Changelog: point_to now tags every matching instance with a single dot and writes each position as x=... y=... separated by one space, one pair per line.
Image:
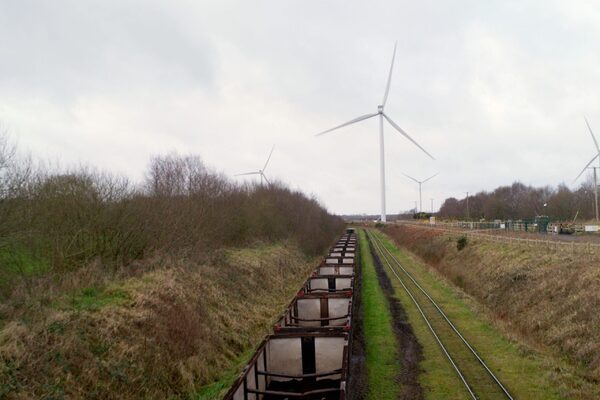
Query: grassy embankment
x=527 y=367
x=382 y=355
x=545 y=298
x=158 y=329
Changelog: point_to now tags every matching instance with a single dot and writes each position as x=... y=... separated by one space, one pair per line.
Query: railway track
x=477 y=378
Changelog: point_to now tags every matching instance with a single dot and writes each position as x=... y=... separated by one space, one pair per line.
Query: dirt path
x=410 y=349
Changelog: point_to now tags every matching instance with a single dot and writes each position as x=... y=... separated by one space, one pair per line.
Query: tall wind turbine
x=261 y=172
x=420 y=194
x=597 y=156
x=380 y=112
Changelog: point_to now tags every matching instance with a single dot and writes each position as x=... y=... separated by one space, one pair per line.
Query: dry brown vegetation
x=546 y=297
x=114 y=289
x=162 y=330
x=62 y=220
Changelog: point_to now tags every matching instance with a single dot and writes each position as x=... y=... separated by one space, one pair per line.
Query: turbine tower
x=382 y=115
x=420 y=194
x=597 y=156
x=260 y=172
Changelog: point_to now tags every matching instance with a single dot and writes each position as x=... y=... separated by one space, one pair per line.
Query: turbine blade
x=355 y=120
x=265 y=167
x=410 y=177
x=248 y=173
x=389 y=81
x=586 y=167
x=406 y=135
x=264 y=176
x=431 y=177
x=592 y=133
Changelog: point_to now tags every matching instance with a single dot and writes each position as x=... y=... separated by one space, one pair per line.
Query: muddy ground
x=357 y=380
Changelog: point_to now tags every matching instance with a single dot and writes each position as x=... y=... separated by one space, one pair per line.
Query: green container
x=542 y=222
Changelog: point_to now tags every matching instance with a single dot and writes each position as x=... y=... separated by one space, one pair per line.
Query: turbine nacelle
x=261 y=172
x=382 y=116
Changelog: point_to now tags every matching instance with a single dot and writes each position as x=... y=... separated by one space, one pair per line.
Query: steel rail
x=435 y=335
x=380 y=245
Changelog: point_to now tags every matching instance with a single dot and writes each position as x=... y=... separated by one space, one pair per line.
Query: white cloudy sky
x=496 y=91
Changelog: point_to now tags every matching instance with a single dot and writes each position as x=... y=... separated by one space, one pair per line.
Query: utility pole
x=468 y=216
x=431 y=206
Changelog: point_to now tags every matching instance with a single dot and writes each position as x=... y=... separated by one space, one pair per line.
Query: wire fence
x=492 y=235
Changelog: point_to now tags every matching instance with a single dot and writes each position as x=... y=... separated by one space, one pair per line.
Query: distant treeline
x=519 y=201
x=63 y=219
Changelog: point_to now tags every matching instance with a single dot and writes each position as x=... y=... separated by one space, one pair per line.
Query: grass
x=382 y=357
x=173 y=329
x=218 y=389
x=526 y=374
x=93 y=299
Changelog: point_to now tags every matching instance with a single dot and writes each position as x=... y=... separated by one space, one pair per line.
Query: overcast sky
x=496 y=91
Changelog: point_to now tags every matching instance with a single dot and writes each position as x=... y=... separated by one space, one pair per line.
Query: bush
x=65 y=219
x=461 y=243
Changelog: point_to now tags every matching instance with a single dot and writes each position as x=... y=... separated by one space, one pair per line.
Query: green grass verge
x=525 y=373
x=382 y=356
x=92 y=299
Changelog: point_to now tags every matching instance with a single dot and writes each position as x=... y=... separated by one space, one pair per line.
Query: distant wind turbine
x=382 y=115
x=597 y=156
x=261 y=172
x=420 y=194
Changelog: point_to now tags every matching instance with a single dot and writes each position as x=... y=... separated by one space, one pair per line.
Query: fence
x=486 y=234
x=529 y=226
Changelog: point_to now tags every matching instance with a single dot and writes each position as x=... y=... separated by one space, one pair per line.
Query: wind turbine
x=382 y=115
x=597 y=156
x=420 y=194
x=261 y=172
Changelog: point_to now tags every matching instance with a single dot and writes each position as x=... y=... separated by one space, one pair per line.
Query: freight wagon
x=307 y=355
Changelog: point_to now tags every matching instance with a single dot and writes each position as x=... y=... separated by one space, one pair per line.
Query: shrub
x=461 y=243
x=65 y=219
